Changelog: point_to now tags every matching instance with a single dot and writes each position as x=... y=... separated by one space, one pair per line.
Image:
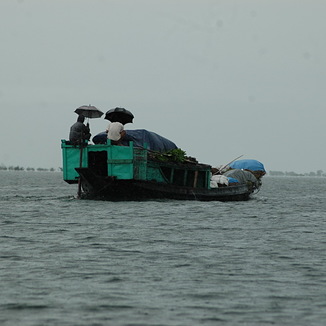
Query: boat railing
x=129 y=162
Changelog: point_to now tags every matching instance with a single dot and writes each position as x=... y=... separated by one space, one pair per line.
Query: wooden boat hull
x=110 y=188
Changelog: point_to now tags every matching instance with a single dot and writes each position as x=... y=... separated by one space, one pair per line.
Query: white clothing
x=114 y=130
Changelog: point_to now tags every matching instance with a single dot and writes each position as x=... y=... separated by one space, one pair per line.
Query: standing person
x=79 y=132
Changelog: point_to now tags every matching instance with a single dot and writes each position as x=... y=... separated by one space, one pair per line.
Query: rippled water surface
x=69 y=262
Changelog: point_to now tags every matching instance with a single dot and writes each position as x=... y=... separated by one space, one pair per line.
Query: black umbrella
x=89 y=111
x=119 y=115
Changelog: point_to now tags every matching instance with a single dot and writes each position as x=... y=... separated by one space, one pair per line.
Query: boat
x=105 y=171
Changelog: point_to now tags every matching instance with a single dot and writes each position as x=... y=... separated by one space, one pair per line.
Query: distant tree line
x=318 y=173
x=20 y=168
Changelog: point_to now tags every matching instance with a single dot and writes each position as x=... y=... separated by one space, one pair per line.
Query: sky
x=220 y=78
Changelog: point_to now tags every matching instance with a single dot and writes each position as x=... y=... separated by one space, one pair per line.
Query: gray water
x=69 y=262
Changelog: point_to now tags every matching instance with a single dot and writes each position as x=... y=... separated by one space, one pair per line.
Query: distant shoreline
x=318 y=173
x=29 y=169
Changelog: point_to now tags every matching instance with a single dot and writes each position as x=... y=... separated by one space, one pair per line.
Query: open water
x=69 y=262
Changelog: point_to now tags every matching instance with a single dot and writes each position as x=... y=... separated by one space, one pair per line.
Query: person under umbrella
x=79 y=132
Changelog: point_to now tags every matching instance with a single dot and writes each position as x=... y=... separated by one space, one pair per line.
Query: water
x=69 y=262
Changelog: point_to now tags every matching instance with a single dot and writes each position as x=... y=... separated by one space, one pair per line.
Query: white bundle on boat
x=219 y=179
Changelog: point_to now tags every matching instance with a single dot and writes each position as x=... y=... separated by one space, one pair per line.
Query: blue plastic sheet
x=232 y=180
x=252 y=165
x=140 y=137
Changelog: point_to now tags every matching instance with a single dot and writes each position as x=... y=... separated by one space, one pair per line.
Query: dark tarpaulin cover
x=242 y=176
x=100 y=138
x=154 y=141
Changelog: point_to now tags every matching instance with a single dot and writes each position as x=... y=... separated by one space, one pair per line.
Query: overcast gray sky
x=220 y=78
